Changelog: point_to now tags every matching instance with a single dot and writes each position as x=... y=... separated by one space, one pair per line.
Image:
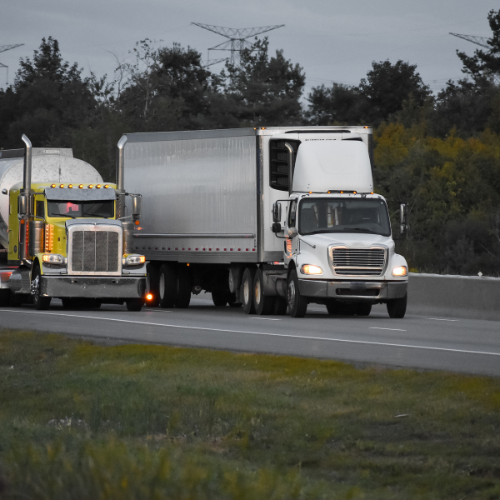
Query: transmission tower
x=482 y=42
x=237 y=38
x=4 y=48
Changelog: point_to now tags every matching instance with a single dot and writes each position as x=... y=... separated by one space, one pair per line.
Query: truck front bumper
x=370 y=291
x=95 y=287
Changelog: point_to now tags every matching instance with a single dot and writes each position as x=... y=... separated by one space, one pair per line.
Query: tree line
x=439 y=153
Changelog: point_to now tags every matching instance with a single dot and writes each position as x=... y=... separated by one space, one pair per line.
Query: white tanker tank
x=49 y=165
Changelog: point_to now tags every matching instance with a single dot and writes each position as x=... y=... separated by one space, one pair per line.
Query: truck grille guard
x=358 y=262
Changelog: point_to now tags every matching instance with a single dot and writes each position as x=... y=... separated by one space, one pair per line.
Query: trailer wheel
x=296 y=302
x=184 y=285
x=219 y=298
x=167 y=286
x=263 y=303
x=397 y=307
x=363 y=308
x=247 y=290
x=134 y=305
x=41 y=303
x=153 y=280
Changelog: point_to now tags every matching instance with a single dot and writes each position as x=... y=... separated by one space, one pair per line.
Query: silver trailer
x=210 y=209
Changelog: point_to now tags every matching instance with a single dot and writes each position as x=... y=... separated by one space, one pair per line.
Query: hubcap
x=257 y=292
x=291 y=293
x=246 y=292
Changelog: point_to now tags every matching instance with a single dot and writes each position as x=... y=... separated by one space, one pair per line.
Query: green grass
x=85 y=421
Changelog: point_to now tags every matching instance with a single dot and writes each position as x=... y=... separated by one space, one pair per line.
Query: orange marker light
x=354 y=192
x=70 y=185
x=106 y=186
x=81 y=186
x=22 y=221
x=98 y=186
x=52 y=185
x=61 y=186
x=149 y=296
x=137 y=222
x=91 y=186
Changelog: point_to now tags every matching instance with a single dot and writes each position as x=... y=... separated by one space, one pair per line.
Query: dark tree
x=48 y=100
x=264 y=90
x=485 y=63
x=339 y=104
x=387 y=86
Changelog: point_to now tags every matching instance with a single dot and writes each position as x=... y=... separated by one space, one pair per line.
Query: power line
x=4 y=48
x=237 y=39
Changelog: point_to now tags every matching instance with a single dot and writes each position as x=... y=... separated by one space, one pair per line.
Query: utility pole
x=4 y=48
x=237 y=39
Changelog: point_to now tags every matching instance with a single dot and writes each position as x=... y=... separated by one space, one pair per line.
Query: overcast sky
x=332 y=40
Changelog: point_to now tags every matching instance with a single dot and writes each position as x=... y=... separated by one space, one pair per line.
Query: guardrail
x=454 y=296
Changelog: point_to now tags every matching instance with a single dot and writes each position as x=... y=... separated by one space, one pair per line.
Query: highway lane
x=426 y=342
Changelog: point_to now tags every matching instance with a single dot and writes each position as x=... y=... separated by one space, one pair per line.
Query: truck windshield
x=61 y=208
x=343 y=215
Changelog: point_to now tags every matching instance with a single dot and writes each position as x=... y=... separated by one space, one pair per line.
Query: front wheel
x=296 y=302
x=397 y=307
x=41 y=303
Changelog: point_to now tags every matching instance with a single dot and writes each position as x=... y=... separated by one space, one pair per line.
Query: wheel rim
x=257 y=292
x=162 y=285
x=35 y=288
x=246 y=291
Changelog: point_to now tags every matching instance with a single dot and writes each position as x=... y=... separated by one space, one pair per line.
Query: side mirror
x=136 y=205
x=276 y=227
x=403 y=219
x=277 y=213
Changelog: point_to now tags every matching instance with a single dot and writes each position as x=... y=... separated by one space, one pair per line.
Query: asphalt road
x=424 y=342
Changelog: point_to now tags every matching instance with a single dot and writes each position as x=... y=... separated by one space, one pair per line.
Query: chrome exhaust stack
x=24 y=201
x=120 y=178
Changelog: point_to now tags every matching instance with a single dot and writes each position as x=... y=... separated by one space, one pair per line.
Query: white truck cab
x=338 y=247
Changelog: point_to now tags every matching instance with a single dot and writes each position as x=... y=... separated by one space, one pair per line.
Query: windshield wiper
x=63 y=215
x=349 y=230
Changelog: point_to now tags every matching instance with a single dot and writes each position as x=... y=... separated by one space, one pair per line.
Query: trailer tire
x=40 y=303
x=134 y=305
x=184 y=285
x=167 y=286
x=264 y=304
x=397 y=307
x=153 y=280
x=219 y=298
x=246 y=293
x=296 y=302
x=363 y=308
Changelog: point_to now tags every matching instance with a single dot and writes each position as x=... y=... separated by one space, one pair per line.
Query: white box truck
x=268 y=218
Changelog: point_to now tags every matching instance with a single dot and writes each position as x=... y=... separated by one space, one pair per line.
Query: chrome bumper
x=112 y=287
x=370 y=291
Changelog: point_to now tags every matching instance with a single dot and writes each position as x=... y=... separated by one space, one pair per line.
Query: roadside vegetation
x=79 y=421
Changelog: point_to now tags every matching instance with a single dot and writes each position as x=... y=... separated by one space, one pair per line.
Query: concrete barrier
x=454 y=296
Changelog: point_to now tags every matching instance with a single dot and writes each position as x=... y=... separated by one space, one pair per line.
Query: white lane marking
x=443 y=319
x=284 y=335
x=393 y=329
x=158 y=311
x=268 y=319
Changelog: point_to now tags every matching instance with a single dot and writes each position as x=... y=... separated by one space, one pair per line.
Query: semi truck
x=64 y=233
x=268 y=218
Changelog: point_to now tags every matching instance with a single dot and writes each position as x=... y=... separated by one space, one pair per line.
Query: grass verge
x=80 y=421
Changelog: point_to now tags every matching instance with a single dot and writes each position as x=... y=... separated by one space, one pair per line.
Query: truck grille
x=358 y=262
x=95 y=251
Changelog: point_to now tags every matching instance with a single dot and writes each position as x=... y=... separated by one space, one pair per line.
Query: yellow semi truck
x=65 y=233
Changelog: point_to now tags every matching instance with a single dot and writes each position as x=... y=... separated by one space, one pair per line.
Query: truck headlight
x=134 y=259
x=310 y=269
x=400 y=271
x=53 y=258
